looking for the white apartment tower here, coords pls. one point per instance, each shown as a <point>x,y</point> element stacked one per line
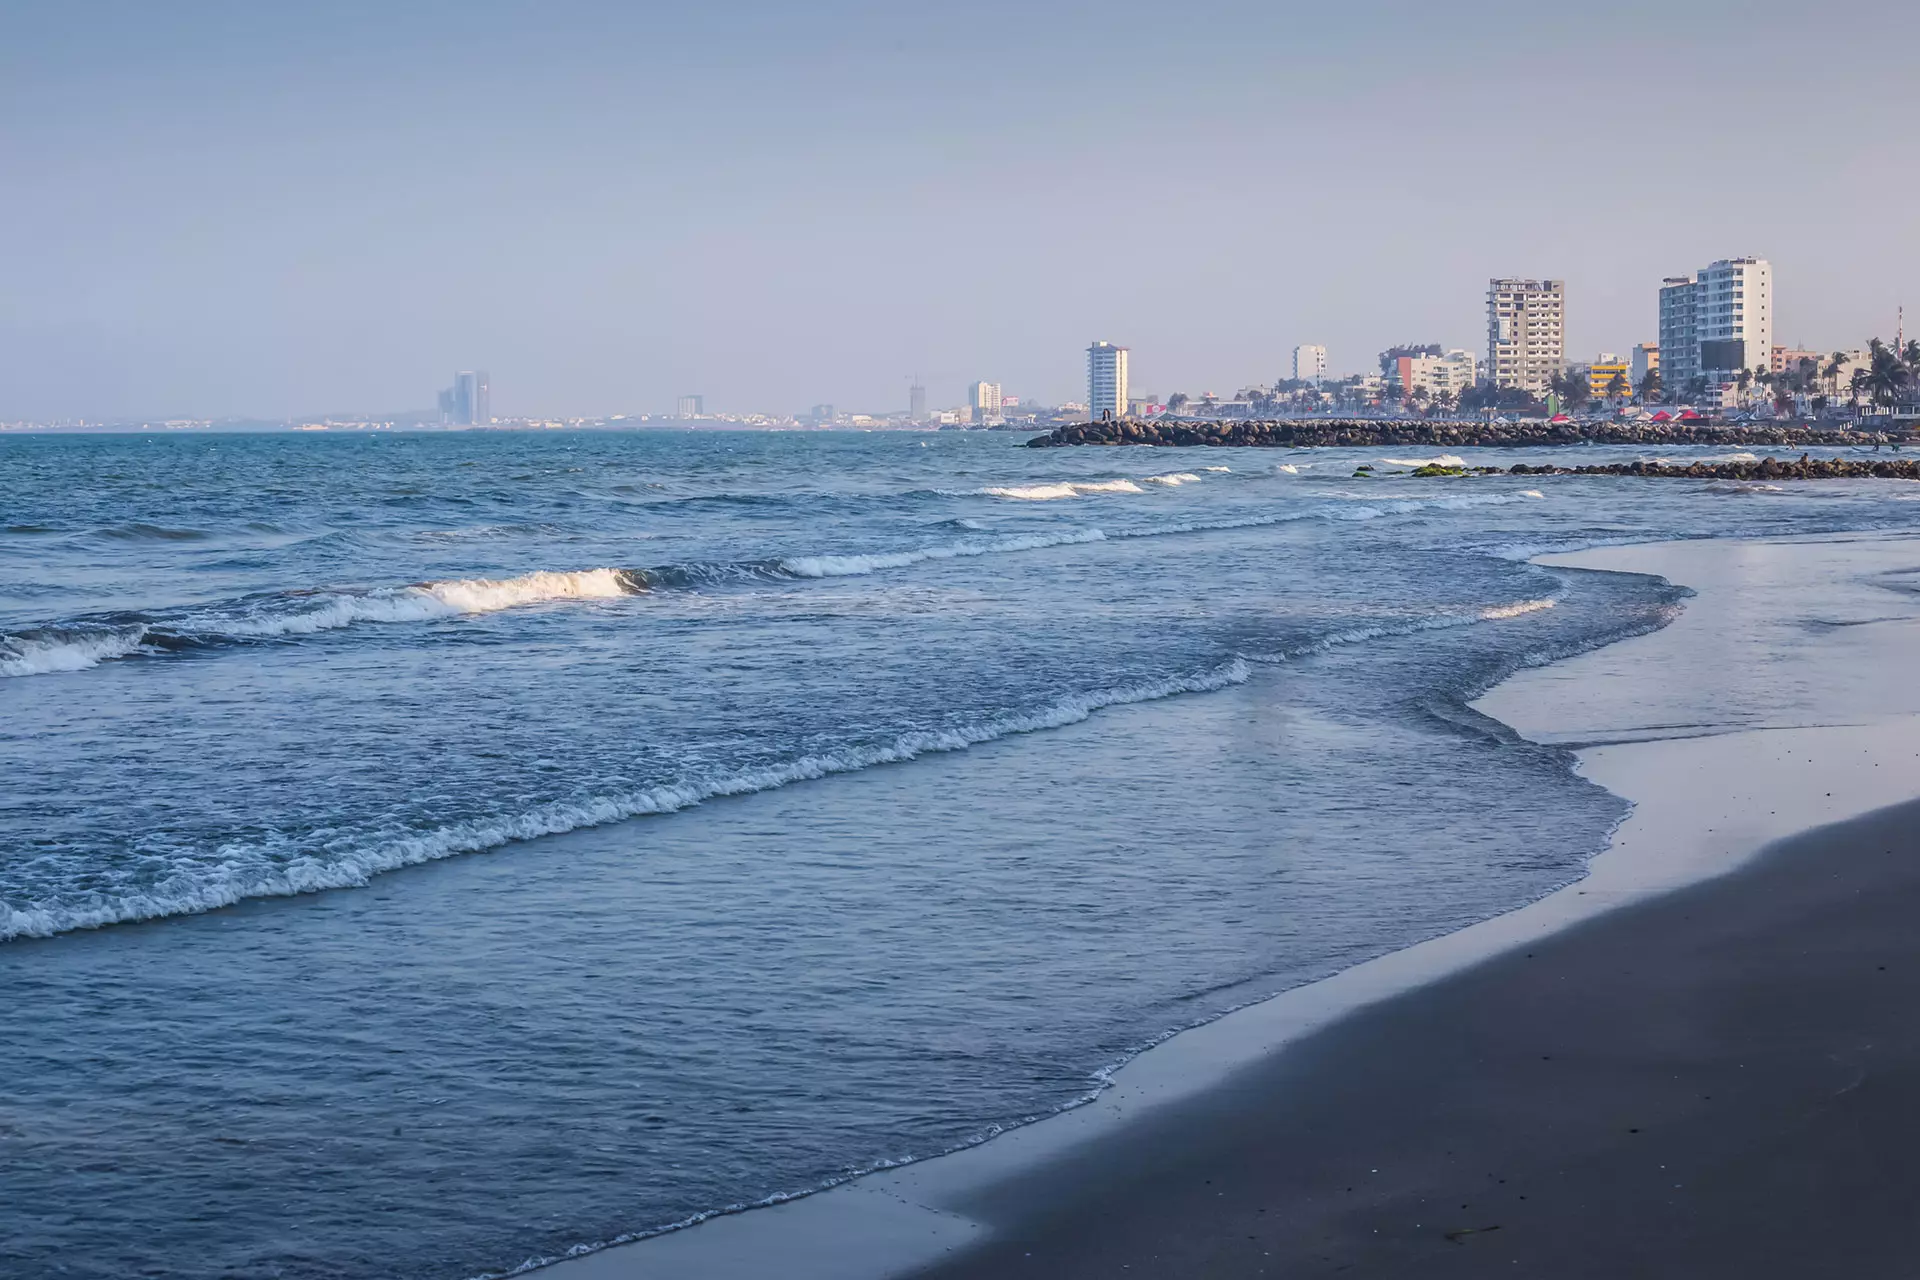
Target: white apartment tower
<point>1310,364</point>
<point>1106,381</point>
<point>1526,333</point>
<point>1717,322</point>
<point>984,399</point>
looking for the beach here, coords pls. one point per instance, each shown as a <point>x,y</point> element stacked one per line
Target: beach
<point>1694,1061</point>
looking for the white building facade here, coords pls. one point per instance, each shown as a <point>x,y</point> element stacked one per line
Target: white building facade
<point>1526,333</point>
<point>984,399</point>
<point>1106,381</point>
<point>1310,364</point>
<point>1448,374</point>
<point>1717,322</point>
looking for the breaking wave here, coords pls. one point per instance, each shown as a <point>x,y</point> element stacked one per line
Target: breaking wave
<point>338,860</point>
<point>88,642</point>
<point>1061,489</point>
<point>52,649</point>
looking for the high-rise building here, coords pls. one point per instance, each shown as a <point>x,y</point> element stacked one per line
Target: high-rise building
<point>1310,364</point>
<point>690,407</point>
<point>984,399</point>
<point>916,402</point>
<point>1526,333</point>
<point>469,401</point>
<point>1106,381</point>
<point>1717,322</point>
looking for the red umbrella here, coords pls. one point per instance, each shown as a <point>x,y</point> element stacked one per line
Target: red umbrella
<point>1560,417</point>
<point>1663,416</point>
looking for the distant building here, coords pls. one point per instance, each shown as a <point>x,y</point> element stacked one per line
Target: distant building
<point>690,407</point>
<point>1645,360</point>
<point>1433,372</point>
<point>1717,322</point>
<point>1787,359</point>
<point>469,401</point>
<point>916,402</point>
<point>1310,364</point>
<point>1106,381</point>
<point>1526,333</point>
<point>983,399</point>
<point>821,414</point>
<point>1601,373</point>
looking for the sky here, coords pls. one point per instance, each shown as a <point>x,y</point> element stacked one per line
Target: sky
<point>214,209</point>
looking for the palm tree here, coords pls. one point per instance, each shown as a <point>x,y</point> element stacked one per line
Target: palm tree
<point>1834,366</point>
<point>1618,388</point>
<point>1886,374</point>
<point>1650,387</point>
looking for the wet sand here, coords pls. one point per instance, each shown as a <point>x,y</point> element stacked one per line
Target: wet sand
<point>1723,1082</point>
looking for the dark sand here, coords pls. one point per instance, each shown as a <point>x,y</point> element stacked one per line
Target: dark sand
<point>1724,1082</point>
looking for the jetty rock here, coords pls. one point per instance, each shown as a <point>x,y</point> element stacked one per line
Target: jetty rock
<point>1762,469</point>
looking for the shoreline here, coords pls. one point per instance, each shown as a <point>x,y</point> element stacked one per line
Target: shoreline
<point>904,1220</point>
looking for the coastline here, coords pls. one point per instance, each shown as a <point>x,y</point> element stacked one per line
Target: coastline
<point>1694,778</point>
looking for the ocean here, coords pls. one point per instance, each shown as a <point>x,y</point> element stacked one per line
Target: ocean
<point>425,855</point>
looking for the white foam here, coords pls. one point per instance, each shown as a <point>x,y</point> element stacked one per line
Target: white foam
<point>292,867</point>
<point>1062,489</point>
<point>1174,478</point>
<point>853,566</point>
<point>1515,610</point>
<point>1444,460</point>
<point>76,651</point>
<point>1287,468</point>
<point>425,602</point>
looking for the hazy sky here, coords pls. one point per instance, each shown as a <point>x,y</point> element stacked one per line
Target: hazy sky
<point>255,208</point>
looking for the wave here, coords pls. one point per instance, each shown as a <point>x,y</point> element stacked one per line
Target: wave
<point>848,566</point>
<point>47,650</point>
<point>1443,460</point>
<point>1364,507</point>
<point>150,533</point>
<point>1060,489</point>
<point>265,871</point>
<point>1174,478</point>
<point>88,642</point>
<point>1403,627</point>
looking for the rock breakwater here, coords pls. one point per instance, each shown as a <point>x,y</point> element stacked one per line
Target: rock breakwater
<point>1804,468</point>
<point>1335,432</point>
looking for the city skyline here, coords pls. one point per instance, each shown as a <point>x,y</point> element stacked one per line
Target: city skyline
<point>270,211</point>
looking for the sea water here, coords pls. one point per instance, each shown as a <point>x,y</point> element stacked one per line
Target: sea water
<point>426,855</point>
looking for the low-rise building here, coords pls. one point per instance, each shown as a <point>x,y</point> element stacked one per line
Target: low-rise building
<point>1449,372</point>
<point>1645,360</point>
<point>1601,373</point>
